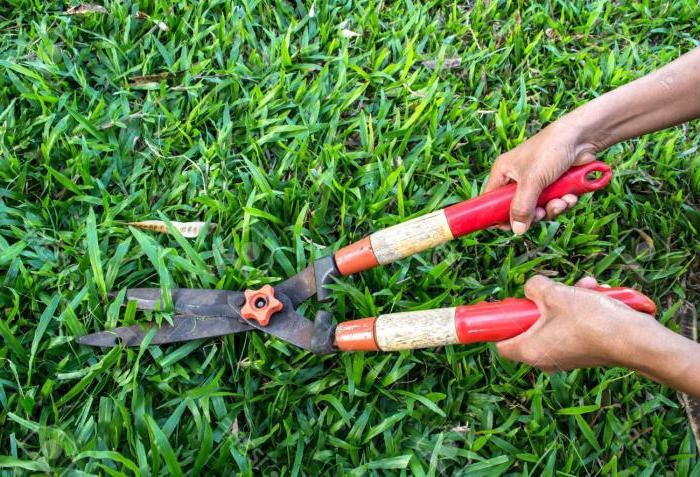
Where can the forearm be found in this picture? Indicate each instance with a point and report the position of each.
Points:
(664, 98)
(663, 356)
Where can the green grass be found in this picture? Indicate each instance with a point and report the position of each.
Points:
(296, 140)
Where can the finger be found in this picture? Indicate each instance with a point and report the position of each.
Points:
(555, 207)
(496, 179)
(587, 282)
(550, 370)
(537, 287)
(504, 226)
(509, 349)
(570, 199)
(540, 214)
(584, 157)
(522, 208)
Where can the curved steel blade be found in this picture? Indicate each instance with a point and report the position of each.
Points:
(286, 324)
(300, 287)
(187, 301)
(212, 313)
(184, 328)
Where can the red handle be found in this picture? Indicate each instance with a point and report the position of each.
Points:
(500, 320)
(429, 230)
(493, 208)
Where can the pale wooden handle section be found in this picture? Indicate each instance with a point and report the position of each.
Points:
(405, 239)
(416, 329)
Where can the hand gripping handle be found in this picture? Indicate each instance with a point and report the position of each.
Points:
(485, 321)
(427, 231)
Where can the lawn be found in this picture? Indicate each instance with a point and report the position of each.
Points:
(297, 128)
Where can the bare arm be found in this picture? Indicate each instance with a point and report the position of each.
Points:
(659, 100)
(580, 328)
(664, 98)
(665, 357)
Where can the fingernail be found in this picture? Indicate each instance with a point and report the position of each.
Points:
(519, 228)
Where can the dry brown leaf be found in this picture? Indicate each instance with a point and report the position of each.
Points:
(461, 429)
(156, 78)
(85, 8)
(349, 33)
(234, 426)
(187, 229)
(447, 63)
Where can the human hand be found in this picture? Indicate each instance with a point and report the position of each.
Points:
(578, 328)
(659, 100)
(534, 165)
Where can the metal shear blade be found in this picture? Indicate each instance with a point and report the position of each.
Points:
(186, 301)
(213, 313)
(184, 328)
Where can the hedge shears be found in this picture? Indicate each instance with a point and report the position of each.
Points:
(203, 313)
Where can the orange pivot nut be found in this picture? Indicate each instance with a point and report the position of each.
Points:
(260, 305)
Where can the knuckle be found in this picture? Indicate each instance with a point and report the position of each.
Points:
(500, 163)
(509, 351)
(536, 283)
(530, 286)
(602, 302)
(534, 176)
(596, 300)
(504, 157)
(519, 211)
(555, 295)
(533, 357)
(549, 300)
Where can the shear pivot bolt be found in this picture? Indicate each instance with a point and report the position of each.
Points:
(260, 305)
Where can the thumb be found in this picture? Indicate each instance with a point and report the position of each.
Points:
(522, 208)
(537, 288)
(585, 156)
(509, 349)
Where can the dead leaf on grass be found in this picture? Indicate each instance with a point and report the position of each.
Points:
(349, 33)
(156, 78)
(145, 16)
(187, 229)
(85, 8)
(447, 63)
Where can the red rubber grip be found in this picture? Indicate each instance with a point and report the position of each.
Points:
(493, 208)
(500, 320)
